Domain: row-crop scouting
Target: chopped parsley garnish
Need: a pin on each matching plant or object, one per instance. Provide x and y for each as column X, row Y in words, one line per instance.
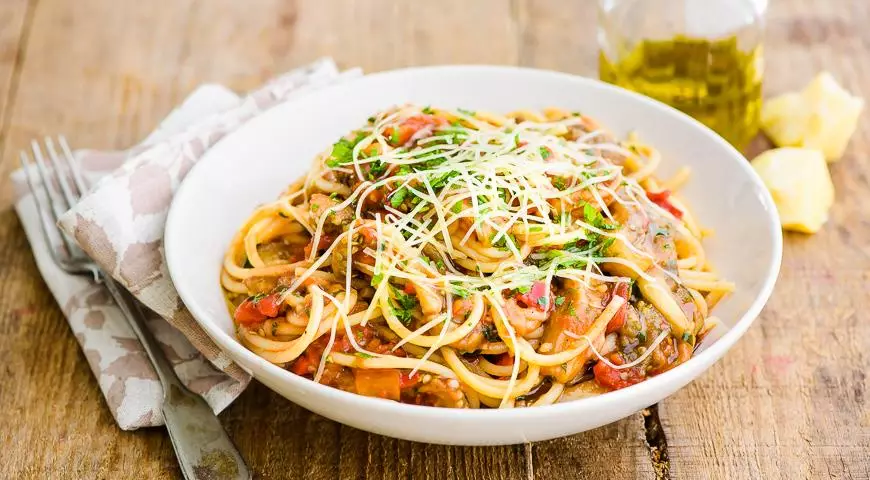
column 377, row 169
column 342, row 151
column 452, row 136
column 456, row 208
column 545, row 153
column 398, row 197
column 502, row 242
column 459, row 291
column 439, row 181
column 593, row 217
column 559, row 301
column 559, row 183
column 641, row 337
column 402, row 306
column 427, row 110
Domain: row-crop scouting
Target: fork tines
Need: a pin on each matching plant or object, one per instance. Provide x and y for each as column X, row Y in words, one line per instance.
column 55, row 188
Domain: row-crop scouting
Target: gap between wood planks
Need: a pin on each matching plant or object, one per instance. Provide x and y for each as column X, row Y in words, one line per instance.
column 15, row 78
column 655, row 439
column 656, row 442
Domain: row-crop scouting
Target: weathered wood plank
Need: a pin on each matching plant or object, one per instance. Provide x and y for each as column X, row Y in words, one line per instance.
column 617, row 450
column 51, row 401
column 283, row 440
column 103, row 73
column 14, row 18
column 558, row 35
column 789, row 401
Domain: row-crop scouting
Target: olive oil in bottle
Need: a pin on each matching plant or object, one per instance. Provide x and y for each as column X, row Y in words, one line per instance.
column 714, row 81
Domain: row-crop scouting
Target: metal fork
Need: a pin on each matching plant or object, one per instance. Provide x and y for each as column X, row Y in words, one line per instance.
column 201, row 445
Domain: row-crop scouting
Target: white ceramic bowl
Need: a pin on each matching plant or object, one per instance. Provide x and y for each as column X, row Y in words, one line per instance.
column 254, row 164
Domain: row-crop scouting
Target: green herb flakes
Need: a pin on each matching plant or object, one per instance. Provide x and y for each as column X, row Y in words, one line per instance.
column 398, row 197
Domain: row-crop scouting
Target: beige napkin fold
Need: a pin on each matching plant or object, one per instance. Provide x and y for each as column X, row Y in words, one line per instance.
column 120, row 224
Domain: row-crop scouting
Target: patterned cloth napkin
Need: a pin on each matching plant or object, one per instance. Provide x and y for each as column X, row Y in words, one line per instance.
column 120, row 225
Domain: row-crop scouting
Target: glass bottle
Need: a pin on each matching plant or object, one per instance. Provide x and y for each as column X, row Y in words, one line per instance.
column 703, row 57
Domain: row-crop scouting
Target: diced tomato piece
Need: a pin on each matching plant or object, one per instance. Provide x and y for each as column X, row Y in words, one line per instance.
column 363, row 257
column 369, row 234
column 609, row 377
column 342, row 344
column 303, row 366
column 533, row 298
column 247, row 313
column 255, row 310
column 618, row 320
column 362, row 335
column 409, row 288
column 409, row 127
column 662, row 199
column 375, row 197
column 380, row 383
column 269, row 305
column 658, row 196
column 325, row 241
column 408, row 381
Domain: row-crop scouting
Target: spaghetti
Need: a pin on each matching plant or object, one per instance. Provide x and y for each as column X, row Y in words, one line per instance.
column 467, row 259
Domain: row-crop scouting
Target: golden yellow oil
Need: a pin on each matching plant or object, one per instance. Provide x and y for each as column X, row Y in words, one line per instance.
column 714, row 81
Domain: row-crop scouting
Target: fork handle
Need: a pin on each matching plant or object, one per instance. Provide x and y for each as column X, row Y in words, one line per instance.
column 201, row 444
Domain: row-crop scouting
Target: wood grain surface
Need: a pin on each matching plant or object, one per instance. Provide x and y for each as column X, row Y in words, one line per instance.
column 789, row 401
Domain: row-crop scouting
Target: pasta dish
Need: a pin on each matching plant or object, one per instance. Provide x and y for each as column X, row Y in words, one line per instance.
column 467, row 259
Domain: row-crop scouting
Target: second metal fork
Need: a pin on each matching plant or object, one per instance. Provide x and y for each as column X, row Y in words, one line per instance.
column 201, row 445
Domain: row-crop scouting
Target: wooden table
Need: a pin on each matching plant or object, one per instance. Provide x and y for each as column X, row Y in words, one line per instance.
column 789, row 401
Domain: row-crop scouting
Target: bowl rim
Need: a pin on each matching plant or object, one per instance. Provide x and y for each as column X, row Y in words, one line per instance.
column 233, row 348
